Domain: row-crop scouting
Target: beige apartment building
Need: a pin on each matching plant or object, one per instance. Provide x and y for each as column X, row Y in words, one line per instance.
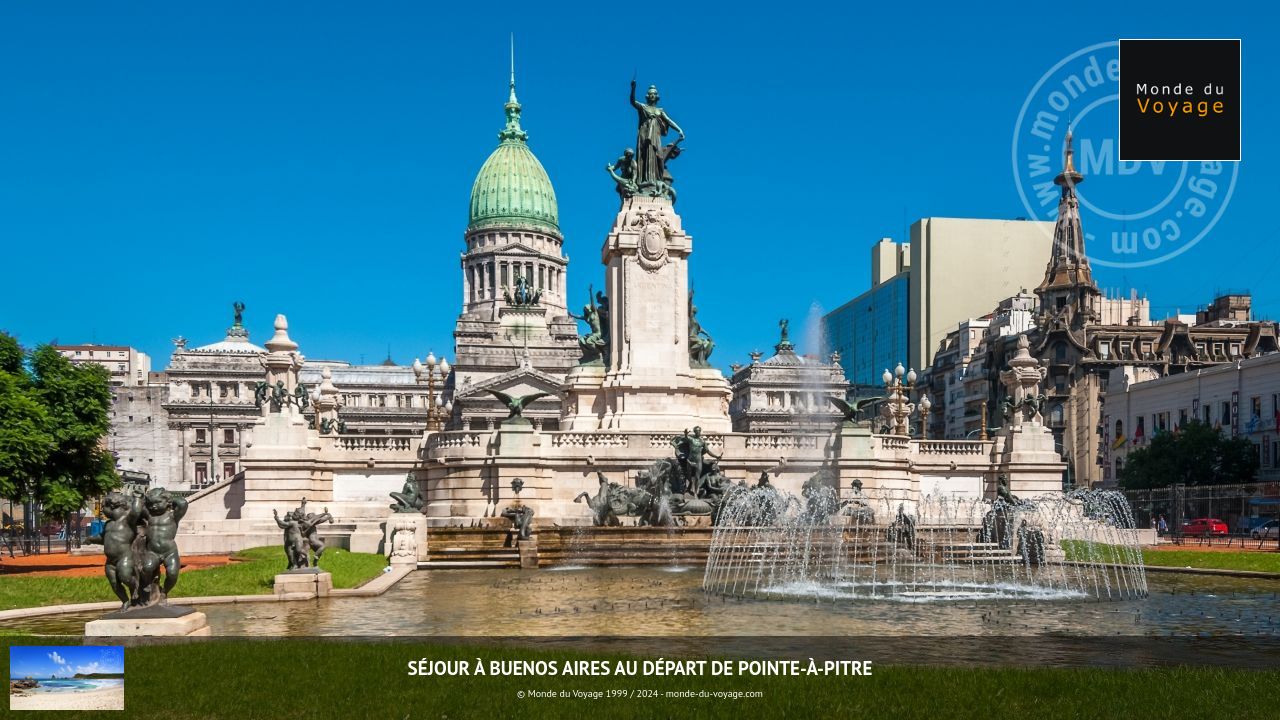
column 961, row 268
column 127, row 365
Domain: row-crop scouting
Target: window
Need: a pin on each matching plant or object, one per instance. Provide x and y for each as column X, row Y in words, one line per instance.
column 1225, row 417
column 1235, row 349
column 1182, row 417
column 1104, row 350
column 202, row 473
column 200, row 435
column 1124, row 347
column 228, row 469
column 1055, row 415
column 1060, row 352
column 228, row 436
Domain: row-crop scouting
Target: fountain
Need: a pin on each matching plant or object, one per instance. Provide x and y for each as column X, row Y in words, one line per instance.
column 938, row 546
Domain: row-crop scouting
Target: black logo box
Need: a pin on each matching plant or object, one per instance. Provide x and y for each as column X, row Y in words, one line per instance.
column 1185, row 67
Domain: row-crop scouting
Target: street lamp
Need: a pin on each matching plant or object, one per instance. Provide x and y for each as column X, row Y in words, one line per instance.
column 898, row 393
column 430, row 373
column 925, row 405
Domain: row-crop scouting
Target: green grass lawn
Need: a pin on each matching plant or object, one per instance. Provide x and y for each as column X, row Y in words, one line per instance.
column 295, row 679
column 251, row 575
column 1210, row 559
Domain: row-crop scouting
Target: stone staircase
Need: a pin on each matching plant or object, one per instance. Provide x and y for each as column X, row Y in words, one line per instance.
column 469, row 548
column 463, row 548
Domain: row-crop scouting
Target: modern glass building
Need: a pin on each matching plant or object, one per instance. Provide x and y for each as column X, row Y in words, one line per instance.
column 870, row 331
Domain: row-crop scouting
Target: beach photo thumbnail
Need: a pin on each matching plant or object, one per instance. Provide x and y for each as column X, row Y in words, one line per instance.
column 66, row 677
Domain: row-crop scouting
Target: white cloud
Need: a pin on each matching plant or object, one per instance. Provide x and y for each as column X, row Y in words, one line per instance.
column 54, row 656
column 93, row 667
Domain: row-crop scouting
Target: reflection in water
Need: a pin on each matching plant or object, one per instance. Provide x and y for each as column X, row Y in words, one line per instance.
column 668, row 601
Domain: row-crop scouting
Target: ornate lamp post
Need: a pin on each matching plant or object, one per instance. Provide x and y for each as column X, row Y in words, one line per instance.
column 897, row 408
column 925, row 405
column 433, row 371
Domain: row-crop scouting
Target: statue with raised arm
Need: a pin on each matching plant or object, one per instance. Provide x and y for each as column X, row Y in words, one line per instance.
column 650, row 174
column 594, row 344
column 310, row 535
column 123, row 515
column 293, row 542
column 239, row 310
column 161, row 513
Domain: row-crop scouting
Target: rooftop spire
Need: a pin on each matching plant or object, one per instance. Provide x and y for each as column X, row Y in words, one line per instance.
column 1068, row 265
column 513, row 132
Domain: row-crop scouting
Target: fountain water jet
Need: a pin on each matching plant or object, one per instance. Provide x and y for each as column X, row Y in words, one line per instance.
column 888, row 545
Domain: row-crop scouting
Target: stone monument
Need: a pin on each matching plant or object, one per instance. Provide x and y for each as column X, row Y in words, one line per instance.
column 654, row 373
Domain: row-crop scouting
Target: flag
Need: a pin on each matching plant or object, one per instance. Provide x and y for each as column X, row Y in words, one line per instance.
column 1254, row 422
column 1119, row 443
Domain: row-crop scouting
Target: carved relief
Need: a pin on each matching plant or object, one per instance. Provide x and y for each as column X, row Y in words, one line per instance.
column 654, row 232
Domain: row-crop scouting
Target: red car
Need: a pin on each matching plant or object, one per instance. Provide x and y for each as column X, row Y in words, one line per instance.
column 1204, row 526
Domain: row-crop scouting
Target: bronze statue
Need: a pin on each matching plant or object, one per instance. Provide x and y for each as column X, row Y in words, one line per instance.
column 300, row 535
column 850, row 412
column 123, row 515
column 516, row 405
column 524, row 295
column 700, row 343
column 408, row 499
column 139, row 540
column 239, row 310
column 650, row 174
column 602, row 511
column 521, row 516
column 690, row 450
column 623, row 173
column 1002, row 490
column 162, row 512
column 595, row 344
column 784, row 324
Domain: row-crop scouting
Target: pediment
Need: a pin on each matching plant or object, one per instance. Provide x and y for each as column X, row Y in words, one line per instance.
column 516, row 383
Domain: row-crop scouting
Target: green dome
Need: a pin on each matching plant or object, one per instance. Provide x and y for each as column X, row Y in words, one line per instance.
column 512, row 190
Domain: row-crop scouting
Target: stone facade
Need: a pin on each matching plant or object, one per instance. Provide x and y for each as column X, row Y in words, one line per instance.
column 787, row 393
column 501, row 340
column 1081, row 336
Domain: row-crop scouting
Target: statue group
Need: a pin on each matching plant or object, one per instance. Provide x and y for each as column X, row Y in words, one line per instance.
column 523, row 295
column 669, row 491
column 643, row 170
column 302, row 547
column 139, row 540
column 280, row 396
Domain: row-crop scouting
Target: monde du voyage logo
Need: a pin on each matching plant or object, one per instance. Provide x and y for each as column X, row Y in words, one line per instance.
column 1158, row 177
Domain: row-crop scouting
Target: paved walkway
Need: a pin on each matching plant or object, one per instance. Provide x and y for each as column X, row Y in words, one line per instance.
column 63, row 564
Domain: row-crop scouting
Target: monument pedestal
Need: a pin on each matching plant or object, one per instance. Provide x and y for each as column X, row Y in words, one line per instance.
column 149, row 622
column 650, row 383
column 1032, row 461
column 406, row 538
column 528, row 553
column 312, row 581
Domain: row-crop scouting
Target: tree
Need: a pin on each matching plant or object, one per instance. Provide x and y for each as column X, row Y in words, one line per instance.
column 53, row 418
column 78, row 401
column 25, row 443
column 1195, row 455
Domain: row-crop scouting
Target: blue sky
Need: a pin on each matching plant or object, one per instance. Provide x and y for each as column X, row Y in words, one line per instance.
column 161, row 160
column 42, row 661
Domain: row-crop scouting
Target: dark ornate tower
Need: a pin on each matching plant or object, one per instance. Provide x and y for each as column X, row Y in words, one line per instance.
column 1068, row 296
